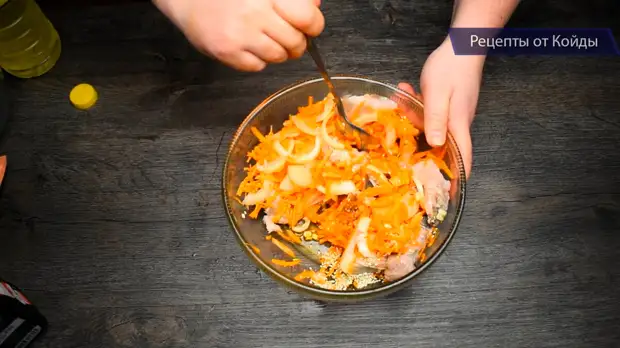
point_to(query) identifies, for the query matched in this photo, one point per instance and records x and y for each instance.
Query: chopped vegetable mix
(374, 209)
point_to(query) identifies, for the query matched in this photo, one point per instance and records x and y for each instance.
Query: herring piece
(435, 190)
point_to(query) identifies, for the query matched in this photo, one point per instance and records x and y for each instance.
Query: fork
(363, 137)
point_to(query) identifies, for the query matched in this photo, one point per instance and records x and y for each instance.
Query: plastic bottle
(20, 321)
(29, 43)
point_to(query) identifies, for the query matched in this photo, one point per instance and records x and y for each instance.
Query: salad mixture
(373, 212)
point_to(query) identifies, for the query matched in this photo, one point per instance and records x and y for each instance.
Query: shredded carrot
(258, 134)
(442, 166)
(292, 237)
(285, 249)
(431, 239)
(285, 263)
(255, 212)
(283, 235)
(254, 247)
(289, 236)
(441, 152)
(305, 274)
(422, 257)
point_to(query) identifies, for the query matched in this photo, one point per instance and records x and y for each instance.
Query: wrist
(475, 60)
(482, 13)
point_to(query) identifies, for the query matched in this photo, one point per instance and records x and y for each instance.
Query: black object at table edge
(4, 110)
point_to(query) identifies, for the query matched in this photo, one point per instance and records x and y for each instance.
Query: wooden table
(112, 222)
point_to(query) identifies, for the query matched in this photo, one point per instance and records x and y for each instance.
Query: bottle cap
(83, 96)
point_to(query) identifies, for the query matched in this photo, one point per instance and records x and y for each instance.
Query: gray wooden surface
(111, 219)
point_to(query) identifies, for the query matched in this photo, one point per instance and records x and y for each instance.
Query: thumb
(436, 108)
(459, 129)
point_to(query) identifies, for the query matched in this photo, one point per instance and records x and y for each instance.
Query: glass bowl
(250, 233)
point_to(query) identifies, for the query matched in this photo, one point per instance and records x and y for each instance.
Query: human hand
(246, 34)
(450, 86)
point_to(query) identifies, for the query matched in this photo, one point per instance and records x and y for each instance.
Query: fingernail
(436, 138)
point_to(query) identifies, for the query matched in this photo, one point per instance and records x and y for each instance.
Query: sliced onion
(303, 126)
(411, 203)
(277, 146)
(377, 171)
(326, 138)
(302, 225)
(348, 256)
(365, 118)
(272, 166)
(374, 169)
(300, 175)
(311, 155)
(390, 137)
(373, 181)
(363, 224)
(405, 158)
(258, 196)
(351, 101)
(287, 184)
(339, 156)
(362, 245)
(327, 110)
(288, 133)
(342, 188)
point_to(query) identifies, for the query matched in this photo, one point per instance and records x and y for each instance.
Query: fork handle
(313, 49)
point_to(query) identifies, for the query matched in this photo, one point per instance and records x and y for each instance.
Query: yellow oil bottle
(29, 43)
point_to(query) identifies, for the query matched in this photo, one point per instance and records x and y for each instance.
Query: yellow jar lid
(2, 2)
(83, 96)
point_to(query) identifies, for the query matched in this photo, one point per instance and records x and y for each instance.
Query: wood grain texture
(111, 219)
